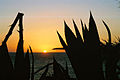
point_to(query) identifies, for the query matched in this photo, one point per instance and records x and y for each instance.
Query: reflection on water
(43, 59)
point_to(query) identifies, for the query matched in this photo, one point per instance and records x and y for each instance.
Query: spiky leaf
(32, 73)
(6, 67)
(70, 37)
(19, 58)
(43, 76)
(27, 66)
(93, 32)
(109, 33)
(78, 34)
(62, 41)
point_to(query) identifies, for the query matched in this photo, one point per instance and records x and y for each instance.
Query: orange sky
(43, 18)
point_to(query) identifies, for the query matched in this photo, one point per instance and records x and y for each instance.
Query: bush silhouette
(87, 55)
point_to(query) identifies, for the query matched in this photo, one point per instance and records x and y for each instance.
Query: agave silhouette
(43, 76)
(111, 57)
(59, 73)
(27, 66)
(6, 69)
(19, 58)
(86, 54)
(22, 63)
(21, 69)
(58, 70)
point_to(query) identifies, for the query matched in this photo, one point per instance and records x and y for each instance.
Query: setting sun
(44, 51)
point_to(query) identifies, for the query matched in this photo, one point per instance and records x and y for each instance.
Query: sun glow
(44, 51)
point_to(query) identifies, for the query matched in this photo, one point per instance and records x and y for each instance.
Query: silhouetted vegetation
(88, 56)
(21, 69)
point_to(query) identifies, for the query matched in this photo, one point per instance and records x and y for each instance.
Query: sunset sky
(42, 18)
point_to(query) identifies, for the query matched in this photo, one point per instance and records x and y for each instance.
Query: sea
(42, 59)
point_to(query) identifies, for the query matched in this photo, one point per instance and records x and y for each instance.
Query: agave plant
(86, 55)
(59, 72)
(21, 69)
(19, 58)
(6, 68)
(84, 59)
(111, 57)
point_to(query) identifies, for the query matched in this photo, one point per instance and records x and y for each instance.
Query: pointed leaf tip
(65, 24)
(108, 30)
(58, 33)
(91, 16)
(86, 27)
(82, 26)
(30, 48)
(73, 21)
(90, 13)
(81, 22)
(75, 26)
(77, 33)
(27, 50)
(62, 41)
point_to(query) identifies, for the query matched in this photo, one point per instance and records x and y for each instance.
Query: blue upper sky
(58, 7)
